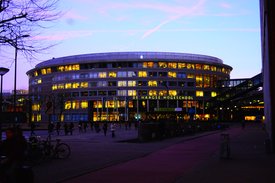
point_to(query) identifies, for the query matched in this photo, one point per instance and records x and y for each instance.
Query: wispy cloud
(74, 15)
(196, 9)
(63, 35)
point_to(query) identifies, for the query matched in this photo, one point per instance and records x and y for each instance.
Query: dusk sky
(227, 29)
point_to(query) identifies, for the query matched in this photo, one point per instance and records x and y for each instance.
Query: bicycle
(45, 149)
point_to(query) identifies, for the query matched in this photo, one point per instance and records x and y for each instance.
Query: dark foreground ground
(196, 158)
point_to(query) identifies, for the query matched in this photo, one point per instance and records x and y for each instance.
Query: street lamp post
(3, 71)
(15, 68)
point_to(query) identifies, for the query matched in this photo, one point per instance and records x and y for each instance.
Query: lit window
(131, 74)
(60, 68)
(43, 71)
(213, 94)
(152, 83)
(60, 86)
(172, 74)
(75, 85)
(122, 92)
(199, 80)
(84, 85)
(172, 92)
(54, 87)
(142, 74)
(172, 65)
(199, 93)
(132, 83)
(112, 74)
(162, 92)
(35, 73)
(36, 107)
(181, 65)
(213, 68)
(132, 93)
(121, 83)
(206, 67)
(206, 82)
(68, 85)
(190, 76)
(84, 104)
(198, 66)
(102, 74)
(49, 70)
(68, 105)
(152, 93)
(39, 81)
(190, 66)
(75, 104)
(162, 65)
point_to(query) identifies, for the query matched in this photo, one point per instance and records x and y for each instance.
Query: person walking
(105, 127)
(71, 128)
(66, 129)
(113, 129)
(33, 129)
(58, 126)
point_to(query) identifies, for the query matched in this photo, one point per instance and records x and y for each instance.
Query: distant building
(124, 86)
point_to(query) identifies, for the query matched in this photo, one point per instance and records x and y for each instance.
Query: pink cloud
(226, 5)
(74, 16)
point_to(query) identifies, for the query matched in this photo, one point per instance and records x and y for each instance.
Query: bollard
(225, 146)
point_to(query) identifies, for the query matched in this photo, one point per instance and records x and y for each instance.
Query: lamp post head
(3, 71)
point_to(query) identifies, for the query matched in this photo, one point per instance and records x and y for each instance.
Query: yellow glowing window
(172, 65)
(142, 74)
(162, 65)
(190, 66)
(35, 73)
(97, 104)
(172, 92)
(112, 74)
(199, 80)
(121, 83)
(38, 117)
(152, 93)
(43, 71)
(206, 67)
(75, 104)
(84, 85)
(72, 67)
(213, 94)
(61, 68)
(49, 70)
(199, 93)
(132, 92)
(84, 104)
(60, 86)
(110, 103)
(152, 83)
(198, 66)
(68, 85)
(162, 92)
(181, 65)
(36, 107)
(39, 81)
(102, 74)
(190, 76)
(54, 87)
(68, 105)
(172, 74)
(75, 85)
(206, 82)
(148, 64)
(76, 67)
(132, 83)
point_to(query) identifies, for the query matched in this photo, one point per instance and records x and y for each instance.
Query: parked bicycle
(40, 150)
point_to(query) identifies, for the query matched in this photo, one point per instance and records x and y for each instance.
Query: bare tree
(21, 21)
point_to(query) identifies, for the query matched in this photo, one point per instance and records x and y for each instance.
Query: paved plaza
(195, 158)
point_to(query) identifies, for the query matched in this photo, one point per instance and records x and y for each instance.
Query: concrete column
(267, 9)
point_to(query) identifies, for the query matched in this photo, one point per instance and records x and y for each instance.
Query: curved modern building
(124, 86)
